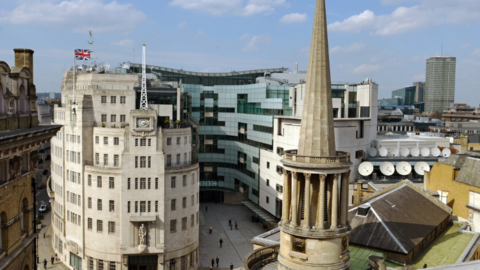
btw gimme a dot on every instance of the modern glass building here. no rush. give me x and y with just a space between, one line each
440 83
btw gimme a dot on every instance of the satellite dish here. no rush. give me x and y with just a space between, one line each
421 167
387 168
446 152
394 152
404 151
404 168
383 151
435 152
425 152
415 152
366 168
373 151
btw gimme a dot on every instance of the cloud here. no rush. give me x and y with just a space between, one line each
199 34
254 42
78 15
244 37
123 43
404 19
366 69
294 18
466 45
476 52
238 7
182 25
353 48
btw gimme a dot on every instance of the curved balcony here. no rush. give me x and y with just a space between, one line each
50 191
290 157
260 257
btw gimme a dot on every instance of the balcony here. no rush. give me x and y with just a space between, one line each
261 257
291 157
178 165
50 191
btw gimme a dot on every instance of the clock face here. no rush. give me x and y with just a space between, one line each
298 244
143 122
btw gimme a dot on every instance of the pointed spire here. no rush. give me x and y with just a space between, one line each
317 136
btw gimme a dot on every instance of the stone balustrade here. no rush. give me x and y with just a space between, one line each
340 159
260 256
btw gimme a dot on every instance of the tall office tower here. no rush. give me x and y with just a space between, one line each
419 91
440 83
314 228
20 138
124 186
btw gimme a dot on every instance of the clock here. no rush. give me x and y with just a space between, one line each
298 244
143 122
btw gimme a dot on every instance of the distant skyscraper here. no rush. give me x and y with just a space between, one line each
419 92
440 83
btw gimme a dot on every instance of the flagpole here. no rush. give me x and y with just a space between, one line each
74 75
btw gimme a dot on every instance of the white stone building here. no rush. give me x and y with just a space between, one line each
355 120
124 189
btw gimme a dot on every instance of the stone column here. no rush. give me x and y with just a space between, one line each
321 203
334 203
344 199
306 217
287 182
294 201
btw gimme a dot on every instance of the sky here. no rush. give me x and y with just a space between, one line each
386 40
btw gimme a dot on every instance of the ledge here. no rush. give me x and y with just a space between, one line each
149 218
298 255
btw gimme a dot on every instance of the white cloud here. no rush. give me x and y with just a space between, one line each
476 52
124 43
353 48
366 69
294 18
254 42
404 19
466 45
238 7
78 15
182 25
199 34
244 37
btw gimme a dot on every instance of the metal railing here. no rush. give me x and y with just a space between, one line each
260 256
340 158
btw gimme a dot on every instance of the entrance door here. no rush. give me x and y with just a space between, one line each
142 262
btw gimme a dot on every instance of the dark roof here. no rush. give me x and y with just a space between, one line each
4 135
469 172
396 219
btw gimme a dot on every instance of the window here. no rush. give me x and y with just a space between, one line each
143 206
97 158
149 162
116 162
136 206
111 227
178 140
192 220
78 157
169 141
112 264
122 118
173 181
111 206
149 142
178 159
184 202
143 183
113 99
113 118
279 188
90 180
184 181
105 159
105 140
173 225
193 200
193 178
185 140
99 181
97 140
184 223
267 199
122 99
90 263
100 265
169 160
104 99
136 183
99 227
128 183
149 206
99 204
89 203
89 223
156 183
143 162
104 118
268 182
128 207
116 141
149 183
173 204
111 182
143 142
268 165
136 162
156 206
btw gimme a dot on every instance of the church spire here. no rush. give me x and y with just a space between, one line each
317 136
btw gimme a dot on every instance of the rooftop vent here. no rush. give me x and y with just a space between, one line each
363 210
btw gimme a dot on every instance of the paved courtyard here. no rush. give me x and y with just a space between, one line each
236 243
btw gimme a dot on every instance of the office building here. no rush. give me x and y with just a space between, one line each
440 83
124 185
20 138
419 91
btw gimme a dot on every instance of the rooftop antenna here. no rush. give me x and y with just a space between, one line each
91 43
143 96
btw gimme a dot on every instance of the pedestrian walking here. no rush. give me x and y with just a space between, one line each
210 229
51 260
221 242
217 260
56 257
236 226
213 262
45 263
206 208
230 222
231 266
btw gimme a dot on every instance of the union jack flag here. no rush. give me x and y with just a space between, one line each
82 54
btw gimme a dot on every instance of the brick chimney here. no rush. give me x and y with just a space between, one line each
24 58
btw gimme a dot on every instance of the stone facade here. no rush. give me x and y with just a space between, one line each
122 173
